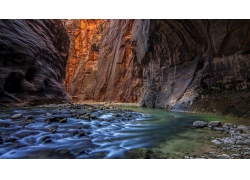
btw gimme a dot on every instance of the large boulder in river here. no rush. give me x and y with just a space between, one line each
33 58
199 124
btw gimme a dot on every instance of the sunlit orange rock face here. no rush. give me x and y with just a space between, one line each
101 65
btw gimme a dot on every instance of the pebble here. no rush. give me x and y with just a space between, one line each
48 114
64 120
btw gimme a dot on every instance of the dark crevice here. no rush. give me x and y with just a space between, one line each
13 82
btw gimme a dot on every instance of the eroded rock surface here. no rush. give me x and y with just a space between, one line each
182 65
33 58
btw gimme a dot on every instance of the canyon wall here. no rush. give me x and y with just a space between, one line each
182 65
101 65
33 58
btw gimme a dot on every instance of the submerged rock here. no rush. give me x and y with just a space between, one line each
139 153
199 124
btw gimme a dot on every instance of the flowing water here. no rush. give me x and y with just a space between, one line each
109 136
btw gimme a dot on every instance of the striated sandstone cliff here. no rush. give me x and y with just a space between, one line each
184 65
33 57
101 65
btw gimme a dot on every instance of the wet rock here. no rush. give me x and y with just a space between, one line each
29 118
223 156
64 154
85 117
138 153
16 116
53 130
214 124
63 120
92 116
200 124
73 132
73 111
46 139
50 120
117 115
80 134
1 140
48 114
10 139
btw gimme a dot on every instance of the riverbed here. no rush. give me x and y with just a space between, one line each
97 132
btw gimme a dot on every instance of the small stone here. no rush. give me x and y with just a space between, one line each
236 155
200 124
81 134
53 130
48 114
232 141
186 157
217 142
215 123
242 127
218 129
92 116
223 156
16 116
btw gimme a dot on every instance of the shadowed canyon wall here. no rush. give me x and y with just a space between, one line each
33 58
184 65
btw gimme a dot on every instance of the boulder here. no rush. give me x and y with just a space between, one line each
199 124
215 123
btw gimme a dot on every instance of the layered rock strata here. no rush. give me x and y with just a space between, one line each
33 58
182 65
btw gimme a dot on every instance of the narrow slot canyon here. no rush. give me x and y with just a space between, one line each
125 88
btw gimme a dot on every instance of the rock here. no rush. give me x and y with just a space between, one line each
16 116
232 141
28 72
218 129
223 156
215 123
80 134
239 142
48 114
242 128
200 124
217 142
236 155
1 140
10 139
29 118
53 130
84 117
93 116
246 141
46 139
